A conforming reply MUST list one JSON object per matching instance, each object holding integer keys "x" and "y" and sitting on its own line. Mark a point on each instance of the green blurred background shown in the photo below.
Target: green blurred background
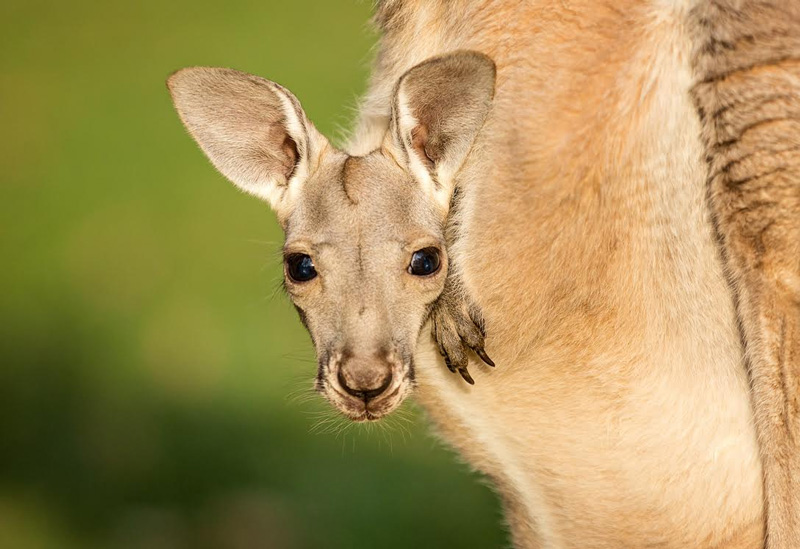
{"x": 155, "y": 386}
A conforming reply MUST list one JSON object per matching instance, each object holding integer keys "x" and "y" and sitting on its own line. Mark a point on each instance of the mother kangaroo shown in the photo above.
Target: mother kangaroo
{"x": 604, "y": 197}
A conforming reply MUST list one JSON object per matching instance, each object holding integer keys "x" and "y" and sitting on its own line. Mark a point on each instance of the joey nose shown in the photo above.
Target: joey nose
{"x": 365, "y": 378}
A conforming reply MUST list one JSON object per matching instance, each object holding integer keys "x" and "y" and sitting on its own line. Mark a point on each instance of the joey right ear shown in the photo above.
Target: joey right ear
{"x": 439, "y": 106}
{"x": 253, "y": 131}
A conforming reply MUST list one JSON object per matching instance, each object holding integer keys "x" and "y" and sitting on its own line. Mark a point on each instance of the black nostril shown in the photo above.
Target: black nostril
{"x": 344, "y": 386}
{"x": 365, "y": 394}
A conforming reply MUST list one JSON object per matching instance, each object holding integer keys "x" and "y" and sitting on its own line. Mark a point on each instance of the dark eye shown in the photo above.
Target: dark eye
{"x": 300, "y": 267}
{"x": 424, "y": 262}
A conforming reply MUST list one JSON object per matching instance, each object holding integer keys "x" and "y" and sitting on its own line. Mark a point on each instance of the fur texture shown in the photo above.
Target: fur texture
{"x": 620, "y": 412}
{"x": 747, "y": 64}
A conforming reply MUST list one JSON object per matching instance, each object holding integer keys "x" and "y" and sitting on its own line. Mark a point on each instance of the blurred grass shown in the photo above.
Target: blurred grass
{"x": 155, "y": 388}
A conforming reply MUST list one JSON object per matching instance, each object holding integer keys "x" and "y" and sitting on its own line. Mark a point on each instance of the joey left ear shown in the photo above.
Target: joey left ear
{"x": 253, "y": 131}
{"x": 439, "y": 106}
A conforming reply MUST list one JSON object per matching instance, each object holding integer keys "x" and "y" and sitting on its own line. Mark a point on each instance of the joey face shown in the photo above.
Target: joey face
{"x": 365, "y": 257}
{"x": 376, "y": 244}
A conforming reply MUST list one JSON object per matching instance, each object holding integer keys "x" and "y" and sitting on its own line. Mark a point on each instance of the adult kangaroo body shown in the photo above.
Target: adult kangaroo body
{"x": 612, "y": 194}
{"x": 620, "y": 414}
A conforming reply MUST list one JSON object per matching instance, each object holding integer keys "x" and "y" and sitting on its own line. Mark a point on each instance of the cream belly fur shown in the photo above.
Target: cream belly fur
{"x": 619, "y": 413}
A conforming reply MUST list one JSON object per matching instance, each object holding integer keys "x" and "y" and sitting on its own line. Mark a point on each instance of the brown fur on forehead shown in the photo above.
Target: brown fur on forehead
{"x": 320, "y": 209}
{"x": 379, "y": 188}
{"x": 369, "y": 195}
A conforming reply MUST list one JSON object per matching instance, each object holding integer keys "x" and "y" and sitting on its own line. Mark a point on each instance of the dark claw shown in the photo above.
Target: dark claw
{"x": 449, "y": 364}
{"x": 484, "y": 357}
{"x": 465, "y": 374}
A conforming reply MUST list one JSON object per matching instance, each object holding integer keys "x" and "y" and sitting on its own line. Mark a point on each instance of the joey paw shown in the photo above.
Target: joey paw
{"x": 458, "y": 327}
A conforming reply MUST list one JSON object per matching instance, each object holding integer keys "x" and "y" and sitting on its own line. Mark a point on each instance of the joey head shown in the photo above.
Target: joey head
{"x": 366, "y": 254}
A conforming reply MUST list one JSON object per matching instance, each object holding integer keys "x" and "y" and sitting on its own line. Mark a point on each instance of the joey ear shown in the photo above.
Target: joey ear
{"x": 253, "y": 131}
{"x": 439, "y": 106}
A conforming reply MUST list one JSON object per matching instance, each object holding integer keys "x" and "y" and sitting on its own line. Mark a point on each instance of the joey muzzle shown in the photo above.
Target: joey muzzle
{"x": 364, "y": 384}
{"x": 365, "y": 377}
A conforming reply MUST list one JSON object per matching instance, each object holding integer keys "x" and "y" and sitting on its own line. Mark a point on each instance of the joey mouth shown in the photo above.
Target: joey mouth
{"x": 365, "y": 387}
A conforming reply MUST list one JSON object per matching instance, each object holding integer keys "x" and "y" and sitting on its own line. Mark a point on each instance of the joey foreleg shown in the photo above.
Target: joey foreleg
{"x": 457, "y": 326}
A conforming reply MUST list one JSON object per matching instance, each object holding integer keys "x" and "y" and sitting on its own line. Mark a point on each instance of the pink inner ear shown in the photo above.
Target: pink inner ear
{"x": 289, "y": 149}
{"x": 419, "y": 139}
